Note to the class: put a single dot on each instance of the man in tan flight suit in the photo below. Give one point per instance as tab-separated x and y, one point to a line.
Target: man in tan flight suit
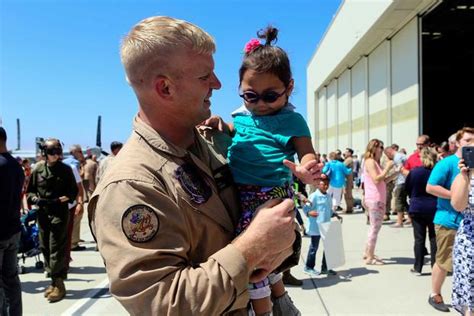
164	214
349	198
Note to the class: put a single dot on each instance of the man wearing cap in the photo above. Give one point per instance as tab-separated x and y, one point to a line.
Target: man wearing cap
51	186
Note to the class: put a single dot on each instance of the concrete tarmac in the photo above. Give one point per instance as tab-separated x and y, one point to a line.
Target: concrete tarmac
357	289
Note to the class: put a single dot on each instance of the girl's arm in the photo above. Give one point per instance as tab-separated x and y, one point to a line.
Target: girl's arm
460	188
372	170
309	170
304	149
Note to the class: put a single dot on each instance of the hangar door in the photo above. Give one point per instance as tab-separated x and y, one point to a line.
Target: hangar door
448	68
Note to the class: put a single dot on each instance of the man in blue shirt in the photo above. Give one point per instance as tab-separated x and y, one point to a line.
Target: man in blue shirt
337	173
446	219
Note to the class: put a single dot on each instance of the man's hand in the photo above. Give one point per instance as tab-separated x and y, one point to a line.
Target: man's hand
79	209
63	199
44	202
268	240
309	173
39	201
313	213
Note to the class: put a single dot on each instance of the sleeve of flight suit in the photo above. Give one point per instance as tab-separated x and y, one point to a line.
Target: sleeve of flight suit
158	277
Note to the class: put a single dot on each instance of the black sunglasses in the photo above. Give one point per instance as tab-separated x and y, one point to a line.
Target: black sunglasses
267	97
53	151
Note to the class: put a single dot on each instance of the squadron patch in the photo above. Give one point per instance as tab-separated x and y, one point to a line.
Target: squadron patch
197	189
140	223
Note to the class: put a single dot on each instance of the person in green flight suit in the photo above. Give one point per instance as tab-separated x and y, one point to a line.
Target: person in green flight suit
51	187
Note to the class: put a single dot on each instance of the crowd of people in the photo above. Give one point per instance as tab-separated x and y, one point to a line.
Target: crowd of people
53	192
196	215
418	189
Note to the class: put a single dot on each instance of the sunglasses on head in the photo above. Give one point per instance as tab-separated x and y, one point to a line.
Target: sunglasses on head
53	151
267	97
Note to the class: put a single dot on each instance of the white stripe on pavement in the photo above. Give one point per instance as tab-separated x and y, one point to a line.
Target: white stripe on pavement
83	301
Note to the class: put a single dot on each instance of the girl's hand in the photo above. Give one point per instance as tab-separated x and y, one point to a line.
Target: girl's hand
218	123
313	213
309	173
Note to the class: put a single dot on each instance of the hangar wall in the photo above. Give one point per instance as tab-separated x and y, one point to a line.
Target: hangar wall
377	97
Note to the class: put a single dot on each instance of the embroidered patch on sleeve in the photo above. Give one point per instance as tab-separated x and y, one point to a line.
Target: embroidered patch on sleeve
140	223
196	188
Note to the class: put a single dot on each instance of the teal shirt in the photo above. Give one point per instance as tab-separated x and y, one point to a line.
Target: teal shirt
443	174
337	173
261	143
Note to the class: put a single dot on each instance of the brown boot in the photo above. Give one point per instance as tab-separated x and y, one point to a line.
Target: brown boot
288	279
59	291
48	291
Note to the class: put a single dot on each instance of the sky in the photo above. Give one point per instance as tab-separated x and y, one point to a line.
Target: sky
60	65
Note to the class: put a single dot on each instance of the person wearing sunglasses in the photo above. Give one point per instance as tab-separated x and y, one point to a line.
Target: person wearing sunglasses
267	135
52	185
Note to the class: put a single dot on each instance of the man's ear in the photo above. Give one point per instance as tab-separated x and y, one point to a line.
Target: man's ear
162	87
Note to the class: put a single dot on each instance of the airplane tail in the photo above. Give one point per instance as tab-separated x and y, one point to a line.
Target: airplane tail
98	142
18	135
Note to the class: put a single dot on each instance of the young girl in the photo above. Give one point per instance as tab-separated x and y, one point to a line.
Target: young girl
268	133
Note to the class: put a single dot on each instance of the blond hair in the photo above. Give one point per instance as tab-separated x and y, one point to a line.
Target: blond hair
146	49
372	147
428	157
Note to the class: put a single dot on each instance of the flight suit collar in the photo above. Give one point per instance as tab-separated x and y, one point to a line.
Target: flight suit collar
155	140
200	157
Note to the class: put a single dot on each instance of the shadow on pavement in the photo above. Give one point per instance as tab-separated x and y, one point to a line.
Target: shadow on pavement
78	294
399	260
342	276
72	270
87	270
35	287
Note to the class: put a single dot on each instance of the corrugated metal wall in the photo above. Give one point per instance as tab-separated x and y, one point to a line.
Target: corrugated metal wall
378	97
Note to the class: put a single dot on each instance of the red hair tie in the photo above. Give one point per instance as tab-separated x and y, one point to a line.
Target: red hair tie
251	45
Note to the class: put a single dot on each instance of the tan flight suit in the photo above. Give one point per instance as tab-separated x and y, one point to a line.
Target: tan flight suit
390	180
179	261
348	162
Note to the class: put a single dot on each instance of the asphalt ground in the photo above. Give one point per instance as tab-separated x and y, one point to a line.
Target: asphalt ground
357	289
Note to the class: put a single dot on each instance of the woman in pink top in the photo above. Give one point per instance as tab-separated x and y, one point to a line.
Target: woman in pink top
375	193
